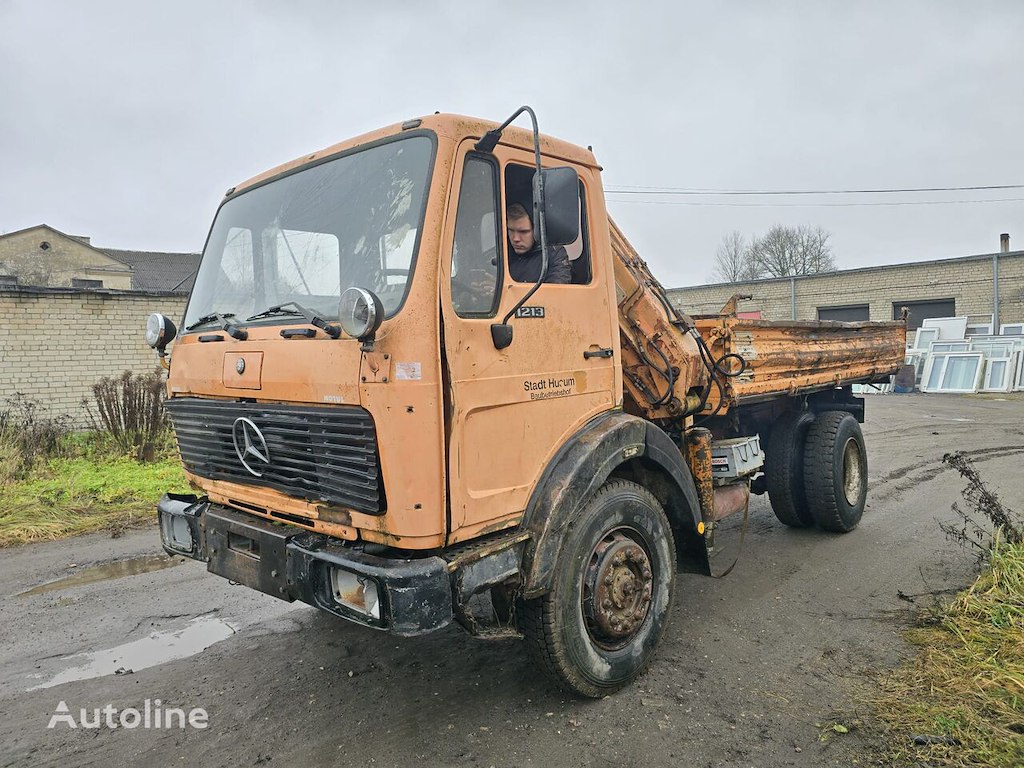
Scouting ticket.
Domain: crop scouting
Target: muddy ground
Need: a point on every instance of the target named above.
(755, 668)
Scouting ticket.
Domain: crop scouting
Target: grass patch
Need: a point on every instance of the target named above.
(90, 492)
(964, 691)
(960, 701)
(56, 481)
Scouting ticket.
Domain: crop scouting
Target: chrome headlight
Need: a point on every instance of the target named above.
(360, 313)
(159, 331)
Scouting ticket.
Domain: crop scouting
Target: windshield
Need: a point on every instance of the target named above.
(354, 221)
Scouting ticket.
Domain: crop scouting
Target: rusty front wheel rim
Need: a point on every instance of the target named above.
(617, 589)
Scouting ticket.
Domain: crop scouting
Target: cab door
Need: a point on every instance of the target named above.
(508, 411)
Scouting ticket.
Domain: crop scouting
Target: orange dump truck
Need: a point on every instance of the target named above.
(380, 422)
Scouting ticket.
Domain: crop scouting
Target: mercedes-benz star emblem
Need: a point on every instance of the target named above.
(240, 365)
(250, 445)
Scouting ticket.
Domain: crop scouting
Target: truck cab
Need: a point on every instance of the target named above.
(428, 435)
(380, 421)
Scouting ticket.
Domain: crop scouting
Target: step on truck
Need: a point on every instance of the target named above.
(379, 421)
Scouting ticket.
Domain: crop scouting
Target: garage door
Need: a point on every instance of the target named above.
(922, 310)
(848, 314)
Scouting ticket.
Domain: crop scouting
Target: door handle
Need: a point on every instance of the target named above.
(597, 353)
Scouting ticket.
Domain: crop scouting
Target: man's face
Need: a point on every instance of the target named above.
(520, 234)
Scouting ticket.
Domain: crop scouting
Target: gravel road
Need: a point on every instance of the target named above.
(754, 670)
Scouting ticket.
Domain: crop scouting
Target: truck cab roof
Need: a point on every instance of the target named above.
(448, 126)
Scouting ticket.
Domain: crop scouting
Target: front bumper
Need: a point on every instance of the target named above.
(415, 595)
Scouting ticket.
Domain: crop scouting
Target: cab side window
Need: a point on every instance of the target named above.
(579, 253)
(475, 256)
(519, 189)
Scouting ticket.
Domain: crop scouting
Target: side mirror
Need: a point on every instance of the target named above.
(561, 205)
(501, 335)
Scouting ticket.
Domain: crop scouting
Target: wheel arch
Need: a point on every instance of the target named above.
(841, 399)
(613, 444)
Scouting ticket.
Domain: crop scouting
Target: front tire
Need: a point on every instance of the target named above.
(598, 627)
(836, 471)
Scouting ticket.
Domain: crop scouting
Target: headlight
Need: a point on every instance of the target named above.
(358, 593)
(159, 331)
(360, 313)
(177, 534)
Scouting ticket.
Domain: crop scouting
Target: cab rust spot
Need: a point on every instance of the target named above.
(336, 515)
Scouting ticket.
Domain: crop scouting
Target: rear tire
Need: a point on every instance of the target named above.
(836, 471)
(784, 469)
(598, 627)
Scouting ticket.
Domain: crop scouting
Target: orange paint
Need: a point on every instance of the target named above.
(464, 431)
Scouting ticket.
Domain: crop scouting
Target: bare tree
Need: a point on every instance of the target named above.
(27, 271)
(815, 251)
(785, 251)
(732, 260)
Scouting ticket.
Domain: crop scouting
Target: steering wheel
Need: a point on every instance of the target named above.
(463, 295)
(469, 287)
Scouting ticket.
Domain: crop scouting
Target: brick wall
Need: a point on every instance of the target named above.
(967, 280)
(56, 343)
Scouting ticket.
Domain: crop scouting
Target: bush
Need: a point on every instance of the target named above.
(28, 433)
(984, 511)
(131, 411)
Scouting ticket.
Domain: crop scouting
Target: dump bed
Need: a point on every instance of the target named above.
(669, 358)
(790, 357)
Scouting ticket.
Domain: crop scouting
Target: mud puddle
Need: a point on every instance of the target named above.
(157, 648)
(115, 570)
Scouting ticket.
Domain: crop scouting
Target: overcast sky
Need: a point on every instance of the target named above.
(127, 121)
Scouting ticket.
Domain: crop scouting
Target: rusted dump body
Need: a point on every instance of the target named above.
(781, 358)
(785, 357)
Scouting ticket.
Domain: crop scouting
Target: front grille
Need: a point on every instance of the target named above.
(317, 454)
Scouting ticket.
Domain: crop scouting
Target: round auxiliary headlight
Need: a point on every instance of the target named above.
(360, 313)
(159, 331)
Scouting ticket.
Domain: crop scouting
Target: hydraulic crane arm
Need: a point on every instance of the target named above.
(664, 374)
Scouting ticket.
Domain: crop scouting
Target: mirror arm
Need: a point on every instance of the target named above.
(487, 144)
(501, 333)
(491, 138)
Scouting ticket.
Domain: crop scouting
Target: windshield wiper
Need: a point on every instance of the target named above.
(226, 325)
(308, 315)
(209, 319)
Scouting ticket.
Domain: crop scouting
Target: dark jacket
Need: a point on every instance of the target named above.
(526, 268)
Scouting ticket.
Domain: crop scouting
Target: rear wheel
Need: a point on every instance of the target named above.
(836, 471)
(597, 628)
(784, 469)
